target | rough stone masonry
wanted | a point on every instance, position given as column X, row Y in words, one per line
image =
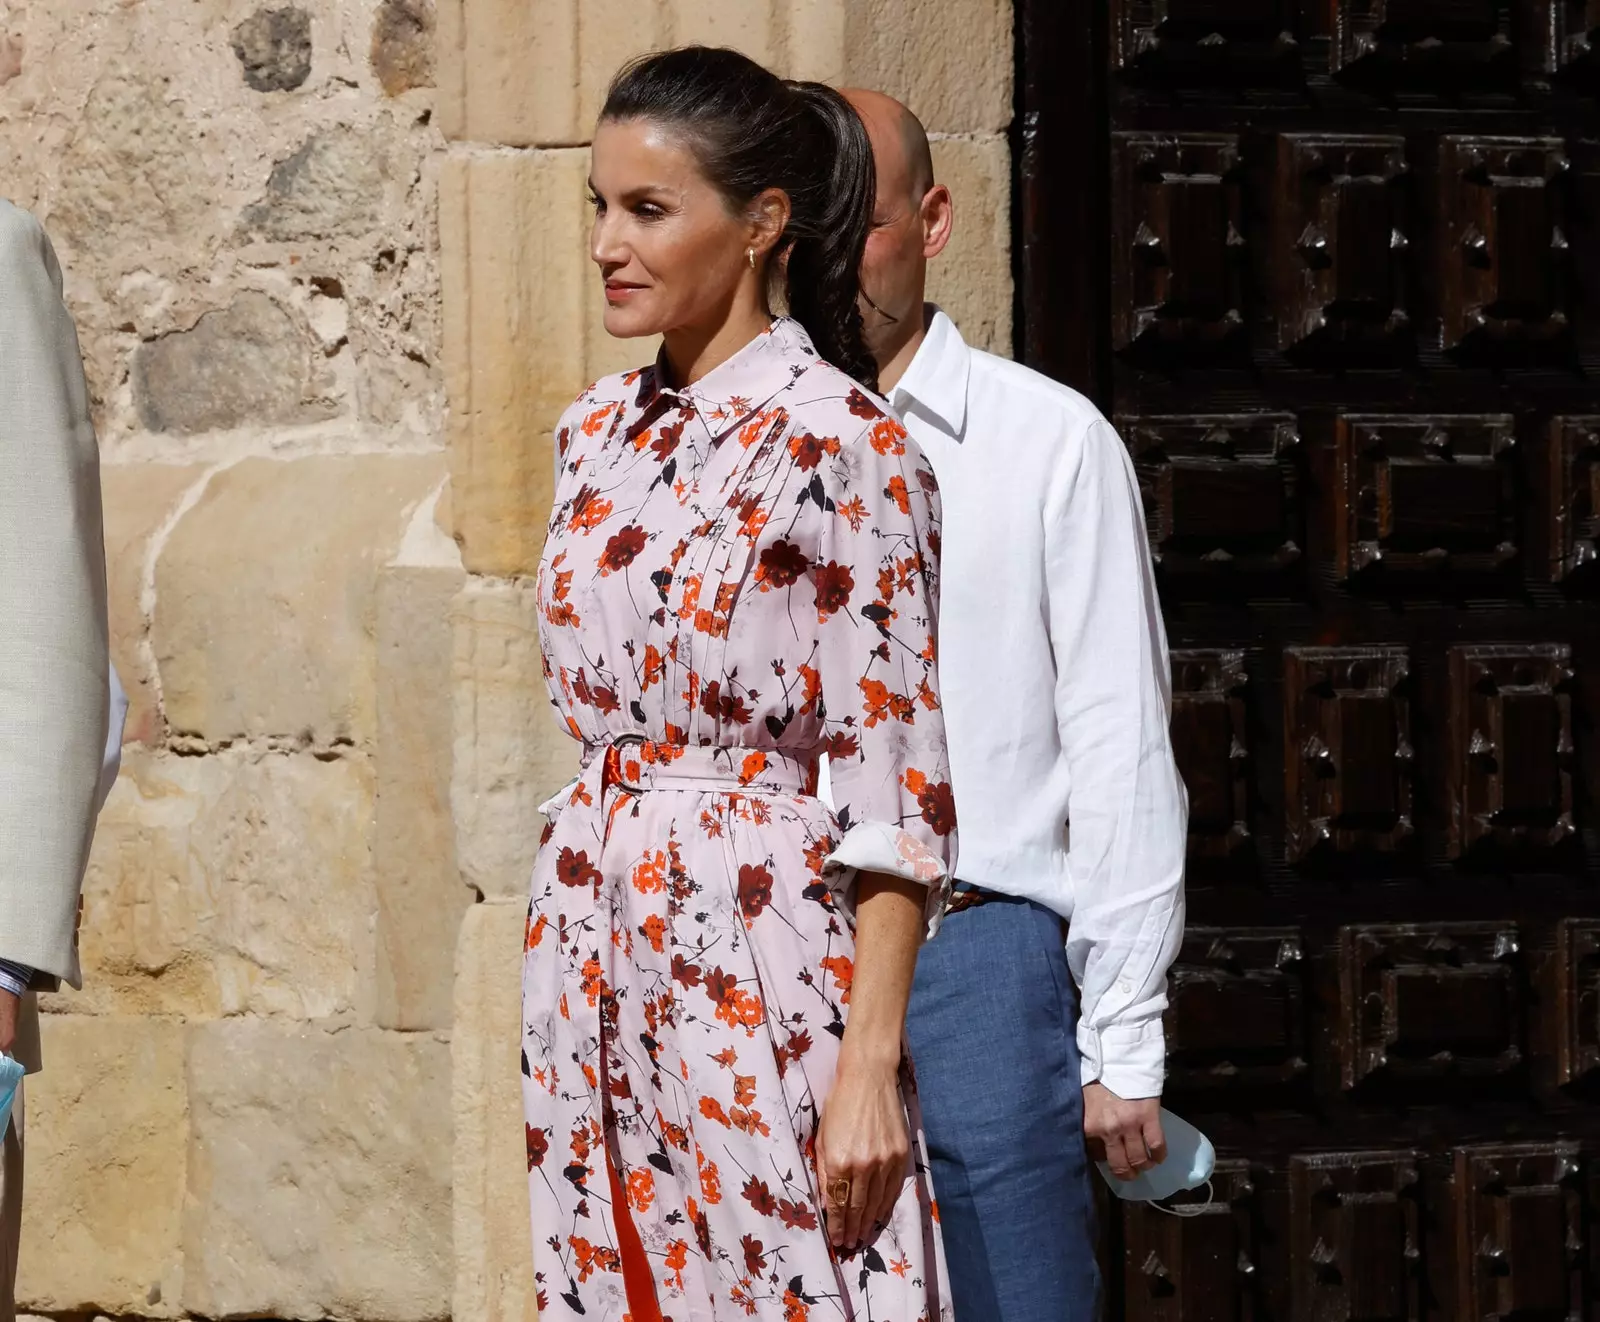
column 328, row 264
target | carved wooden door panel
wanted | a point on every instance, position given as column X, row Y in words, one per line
column 1333, row 267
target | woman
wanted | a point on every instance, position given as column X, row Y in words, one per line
column 738, row 576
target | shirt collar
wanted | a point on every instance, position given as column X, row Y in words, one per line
column 936, row 380
column 733, row 390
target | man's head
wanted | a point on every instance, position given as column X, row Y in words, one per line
column 910, row 224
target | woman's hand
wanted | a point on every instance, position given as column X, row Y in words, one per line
column 862, row 1142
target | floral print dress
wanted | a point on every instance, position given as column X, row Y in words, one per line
column 739, row 575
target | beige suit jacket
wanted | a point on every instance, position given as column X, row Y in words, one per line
column 53, row 646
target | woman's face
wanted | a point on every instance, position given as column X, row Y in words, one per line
column 671, row 253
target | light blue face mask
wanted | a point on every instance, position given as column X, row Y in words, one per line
column 10, row 1076
column 1188, row 1164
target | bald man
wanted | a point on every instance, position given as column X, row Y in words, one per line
column 1053, row 661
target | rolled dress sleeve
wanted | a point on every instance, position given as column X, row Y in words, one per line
column 876, row 582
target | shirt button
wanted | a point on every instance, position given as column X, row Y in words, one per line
column 1125, row 986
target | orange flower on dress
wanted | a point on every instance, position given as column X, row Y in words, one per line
column 588, row 510
column 811, row 680
column 690, row 602
column 649, row 873
column 887, row 436
column 654, row 930
column 897, row 492
column 596, row 420
column 561, row 612
column 593, row 981
column 677, row 1260
column 654, row 667
column 710, row 1179
column 882, row 704
column 593, row 1257
column 641, row 1189
column 844, row 971
column 753, row 516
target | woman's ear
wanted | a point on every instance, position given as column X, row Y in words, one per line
column 769, row 217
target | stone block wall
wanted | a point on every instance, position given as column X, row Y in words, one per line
column 247, row 1109
column 327, row 258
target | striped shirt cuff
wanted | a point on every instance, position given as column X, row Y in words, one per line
column 14, row 978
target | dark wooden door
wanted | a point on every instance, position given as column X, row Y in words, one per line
column 1333, row 266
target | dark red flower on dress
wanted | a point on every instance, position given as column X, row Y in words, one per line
column 938, row 804
column 727, row 707
column 759, row 1196
column 666, row 440
column 684, row 972
column 755, row 1258
column 797, row 1216
column 841, row 745
column 807, row 451
column 861, row 406
column 538, row 1145
column 721, row 986
column 755, row 889
column 622, row 549
column 782, row 564
column 835, row 583
column 574, row 869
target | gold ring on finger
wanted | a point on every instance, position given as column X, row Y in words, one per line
column 839, row 1192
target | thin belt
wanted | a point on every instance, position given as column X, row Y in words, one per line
column 965, row 896
column 635, row 765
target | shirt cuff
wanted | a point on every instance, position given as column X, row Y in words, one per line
column 880, row 847
column 1129, row 1060
column 14, row 978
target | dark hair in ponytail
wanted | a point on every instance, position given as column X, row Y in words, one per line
column 751, row 130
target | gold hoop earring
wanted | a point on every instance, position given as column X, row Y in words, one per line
column 750, row 255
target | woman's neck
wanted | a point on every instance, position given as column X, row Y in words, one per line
column 695, row 351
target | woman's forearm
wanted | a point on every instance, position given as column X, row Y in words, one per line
column 889, row 926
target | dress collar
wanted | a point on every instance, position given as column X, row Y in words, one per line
column 936, row 380
column 733, row 390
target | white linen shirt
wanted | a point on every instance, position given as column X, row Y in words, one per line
column 1056, row 684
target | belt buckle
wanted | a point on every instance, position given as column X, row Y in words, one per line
column 629, row 738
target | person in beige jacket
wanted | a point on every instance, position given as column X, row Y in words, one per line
column 57, row 735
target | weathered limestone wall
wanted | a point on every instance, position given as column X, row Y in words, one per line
column 295, row 230
column 247, row 1110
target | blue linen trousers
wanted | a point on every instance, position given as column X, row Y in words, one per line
column 992, row 1026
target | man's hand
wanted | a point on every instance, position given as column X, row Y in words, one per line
column 1126, row 1135
column 9, row 1004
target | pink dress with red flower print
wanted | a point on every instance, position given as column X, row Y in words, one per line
column 743, row 573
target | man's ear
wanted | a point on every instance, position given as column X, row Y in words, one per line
column 938, row 220
column 769, row 217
